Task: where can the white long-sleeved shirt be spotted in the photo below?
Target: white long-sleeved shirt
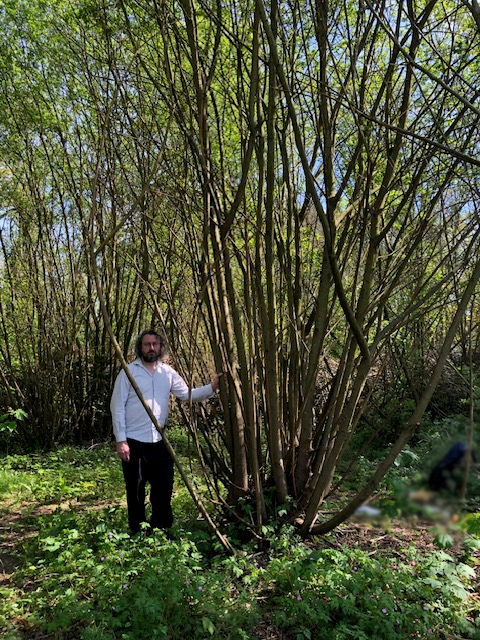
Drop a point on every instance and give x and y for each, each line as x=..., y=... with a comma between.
x=130, y=419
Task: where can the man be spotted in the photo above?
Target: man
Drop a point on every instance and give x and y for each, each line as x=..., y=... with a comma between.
x=139, y=444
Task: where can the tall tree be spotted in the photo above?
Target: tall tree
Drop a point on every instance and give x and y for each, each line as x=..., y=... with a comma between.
x=290, y=187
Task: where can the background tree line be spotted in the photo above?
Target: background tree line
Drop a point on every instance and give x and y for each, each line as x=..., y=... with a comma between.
x=291, y=188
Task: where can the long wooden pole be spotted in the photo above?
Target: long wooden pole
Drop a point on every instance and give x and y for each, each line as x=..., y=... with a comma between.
x=103, y=305
x=199, y=504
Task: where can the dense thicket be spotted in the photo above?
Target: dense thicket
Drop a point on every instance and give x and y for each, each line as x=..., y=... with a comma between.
x=291, y=188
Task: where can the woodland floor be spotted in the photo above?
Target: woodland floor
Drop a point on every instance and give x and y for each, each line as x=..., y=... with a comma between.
x=390, y=538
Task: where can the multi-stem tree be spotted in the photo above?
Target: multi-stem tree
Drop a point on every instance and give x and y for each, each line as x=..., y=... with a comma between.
x=328, y=212
x=289, y=187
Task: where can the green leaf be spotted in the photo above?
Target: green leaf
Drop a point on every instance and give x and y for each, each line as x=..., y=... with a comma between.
x=471, y=524
x=208, y=626
x=436, y=584
x=444, y=541
x=52, y=544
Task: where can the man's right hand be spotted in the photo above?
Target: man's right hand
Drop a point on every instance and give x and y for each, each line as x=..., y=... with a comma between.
x=123, y=451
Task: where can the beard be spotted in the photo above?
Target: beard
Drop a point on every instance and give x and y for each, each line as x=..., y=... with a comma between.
x=150, y=357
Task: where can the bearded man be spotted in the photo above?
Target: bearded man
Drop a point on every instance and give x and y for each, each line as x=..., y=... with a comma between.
x=145, y=458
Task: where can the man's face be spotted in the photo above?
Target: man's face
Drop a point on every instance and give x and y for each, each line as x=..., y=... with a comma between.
x=150, y=348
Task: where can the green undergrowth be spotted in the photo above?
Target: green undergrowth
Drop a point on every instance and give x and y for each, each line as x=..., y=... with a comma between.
x=80, y=575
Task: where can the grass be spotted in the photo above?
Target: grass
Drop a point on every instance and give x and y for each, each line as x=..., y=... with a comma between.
x=71, y=571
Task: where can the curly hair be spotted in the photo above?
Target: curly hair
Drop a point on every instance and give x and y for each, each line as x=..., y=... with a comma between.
x=150, y=332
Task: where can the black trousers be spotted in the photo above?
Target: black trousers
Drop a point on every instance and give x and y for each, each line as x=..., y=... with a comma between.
x=149, y=462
